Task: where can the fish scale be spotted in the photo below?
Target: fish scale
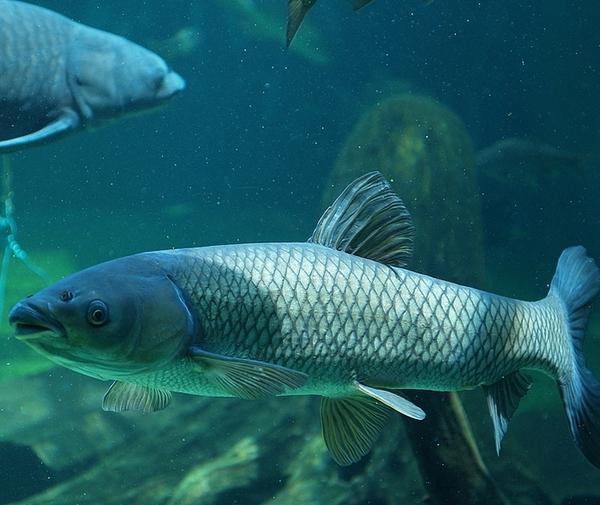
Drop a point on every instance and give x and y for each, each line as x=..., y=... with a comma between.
x=338, y=317
x=44, y=39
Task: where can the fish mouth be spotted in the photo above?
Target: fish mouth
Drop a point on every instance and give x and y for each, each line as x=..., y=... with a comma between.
x=31, y=323
x=172, y=85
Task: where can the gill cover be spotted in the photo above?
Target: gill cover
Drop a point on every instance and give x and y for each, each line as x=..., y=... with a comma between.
x=164, y=325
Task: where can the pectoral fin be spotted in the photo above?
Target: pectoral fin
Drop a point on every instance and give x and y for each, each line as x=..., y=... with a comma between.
x=64, y=123
x=503, y=398
x=122, y=396
x=246, y=378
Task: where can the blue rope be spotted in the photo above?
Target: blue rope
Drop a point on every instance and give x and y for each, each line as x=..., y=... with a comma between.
x=8, y=226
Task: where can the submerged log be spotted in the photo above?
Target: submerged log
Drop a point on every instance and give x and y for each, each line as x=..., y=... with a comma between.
x=448, y=458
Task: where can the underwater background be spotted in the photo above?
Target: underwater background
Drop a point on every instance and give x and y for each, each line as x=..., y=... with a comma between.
x=260, y=142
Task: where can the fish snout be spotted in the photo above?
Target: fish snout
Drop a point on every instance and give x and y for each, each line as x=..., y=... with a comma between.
x=31, y=321
x=172, y=84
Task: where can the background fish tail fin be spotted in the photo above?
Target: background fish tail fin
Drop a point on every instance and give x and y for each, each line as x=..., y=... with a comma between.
x=359, y=4
x=297, y=9
x=576, y=282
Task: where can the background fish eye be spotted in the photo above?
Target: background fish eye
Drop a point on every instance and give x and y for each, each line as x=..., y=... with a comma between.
x=158, y=82
x=97, y=313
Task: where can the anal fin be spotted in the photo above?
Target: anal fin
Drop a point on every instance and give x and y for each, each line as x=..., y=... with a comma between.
x=122, y=396
x=247, y=378
x=503, y=398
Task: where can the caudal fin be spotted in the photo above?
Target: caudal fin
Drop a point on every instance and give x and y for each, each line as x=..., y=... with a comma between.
x=297, y=9
x=576, y=282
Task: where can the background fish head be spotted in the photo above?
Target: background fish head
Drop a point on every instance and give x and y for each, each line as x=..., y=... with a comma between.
x=110, y=76
x=112, y=320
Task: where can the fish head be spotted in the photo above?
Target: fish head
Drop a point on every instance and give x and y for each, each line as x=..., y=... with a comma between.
x=116, y=319
x=110, y=76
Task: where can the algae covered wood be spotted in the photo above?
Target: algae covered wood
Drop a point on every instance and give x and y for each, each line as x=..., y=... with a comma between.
x=424, y=150
x=448, y=456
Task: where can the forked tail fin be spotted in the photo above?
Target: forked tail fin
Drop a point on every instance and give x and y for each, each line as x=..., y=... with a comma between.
x=576, y=282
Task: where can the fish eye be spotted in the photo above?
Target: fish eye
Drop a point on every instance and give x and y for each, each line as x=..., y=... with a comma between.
x=97, y=313
x=157, y=82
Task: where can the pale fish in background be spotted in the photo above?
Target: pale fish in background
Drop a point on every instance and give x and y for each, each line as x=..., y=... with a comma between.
x=338, y=316
x=511, y=153
x=58, y=76
x=182, y=43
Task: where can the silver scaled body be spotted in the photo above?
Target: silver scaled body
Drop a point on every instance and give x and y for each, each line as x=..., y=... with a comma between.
x=340, y=318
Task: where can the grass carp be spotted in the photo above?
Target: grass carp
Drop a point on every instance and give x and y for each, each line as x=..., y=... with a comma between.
x=58, y=76
x=338, y=316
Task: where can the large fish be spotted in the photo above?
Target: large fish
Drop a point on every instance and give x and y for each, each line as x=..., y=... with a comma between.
x=57, y=76
x=337, y=316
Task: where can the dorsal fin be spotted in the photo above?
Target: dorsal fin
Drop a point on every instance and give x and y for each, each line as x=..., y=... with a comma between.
x=369, y=220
